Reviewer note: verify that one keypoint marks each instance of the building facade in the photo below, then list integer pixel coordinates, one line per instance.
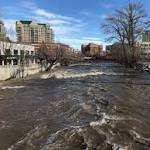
(145, 50)
(146, 36)
(92, 50)
(31, 32)
(57, 51)
(16, 54)
(2, 31)
(51, 46)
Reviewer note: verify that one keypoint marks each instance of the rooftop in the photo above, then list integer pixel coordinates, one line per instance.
(26, 22)
(29, 22)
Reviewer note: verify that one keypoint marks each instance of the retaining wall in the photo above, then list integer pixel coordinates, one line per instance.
(9, 71)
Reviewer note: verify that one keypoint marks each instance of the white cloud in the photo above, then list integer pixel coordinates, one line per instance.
(107, 5)
(58, 22)
(103, 16)
(62, 25)
(50, 15)
(93, 15)
(85, 13)
(77, 42)
(66, 30)
(91, 38)
(82, 40)
(53, 22)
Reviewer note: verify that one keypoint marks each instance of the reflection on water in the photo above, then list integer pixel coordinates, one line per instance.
(97, 105)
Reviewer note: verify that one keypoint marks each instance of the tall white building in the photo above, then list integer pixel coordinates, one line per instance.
(31, 32)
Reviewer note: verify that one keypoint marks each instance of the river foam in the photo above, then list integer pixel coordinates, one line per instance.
(66, 74)
(11, 87)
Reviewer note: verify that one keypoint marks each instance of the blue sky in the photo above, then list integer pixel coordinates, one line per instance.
(74, 21)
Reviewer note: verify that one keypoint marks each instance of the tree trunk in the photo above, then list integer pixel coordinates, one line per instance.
(50, 66)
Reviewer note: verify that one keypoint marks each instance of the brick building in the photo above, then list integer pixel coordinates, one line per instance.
(92, 50)
(52, 46)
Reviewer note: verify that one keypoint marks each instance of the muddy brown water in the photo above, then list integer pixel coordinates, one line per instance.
(102, 111)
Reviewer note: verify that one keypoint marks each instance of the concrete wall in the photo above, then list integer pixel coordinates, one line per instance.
(9, 71)
(15, 46)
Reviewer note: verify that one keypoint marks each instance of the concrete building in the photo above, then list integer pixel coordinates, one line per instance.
(13, 53)
(92, 50)
(146, 36)
(2, 31)
(17, 61)
(31, 32)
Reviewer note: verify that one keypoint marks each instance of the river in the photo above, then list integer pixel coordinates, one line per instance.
(96, 105)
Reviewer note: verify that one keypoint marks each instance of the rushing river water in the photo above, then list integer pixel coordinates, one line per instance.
(89, 106)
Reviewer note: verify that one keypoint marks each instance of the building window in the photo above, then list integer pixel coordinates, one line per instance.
(15, 61)
(15, 52)
(21, 56)
(22, 52)
(7, 52)
(1, 59)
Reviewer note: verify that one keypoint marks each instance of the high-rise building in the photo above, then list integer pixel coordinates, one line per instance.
(31, 32)
(146, 36)
(2, 31)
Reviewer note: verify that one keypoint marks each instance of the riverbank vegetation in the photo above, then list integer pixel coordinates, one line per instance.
(57, 53)
(125, 27)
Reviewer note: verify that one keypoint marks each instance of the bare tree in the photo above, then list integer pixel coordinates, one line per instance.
(10, 33)
(127, 26)
(114, 28)
(57, 53)
(51, 55)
